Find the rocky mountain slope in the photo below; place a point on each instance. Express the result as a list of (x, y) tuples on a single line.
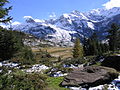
[(64, 29)]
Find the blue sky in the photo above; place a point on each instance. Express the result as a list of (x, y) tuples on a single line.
[(42, 9)]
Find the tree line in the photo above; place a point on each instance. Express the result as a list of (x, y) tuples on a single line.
[(93, 46)]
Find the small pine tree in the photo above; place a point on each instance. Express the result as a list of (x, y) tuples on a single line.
[(78, 49), (59, 59)]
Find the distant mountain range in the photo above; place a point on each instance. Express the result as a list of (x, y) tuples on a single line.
[(64, 29)]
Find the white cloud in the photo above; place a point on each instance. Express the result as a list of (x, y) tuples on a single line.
[(53, 15), (16, 23), (111, 4)]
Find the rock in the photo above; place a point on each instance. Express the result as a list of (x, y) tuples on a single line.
[(112, 61), (36, 68), (90, 76)]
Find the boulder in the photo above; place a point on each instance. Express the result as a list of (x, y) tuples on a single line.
[(112, 61), (90, 76)]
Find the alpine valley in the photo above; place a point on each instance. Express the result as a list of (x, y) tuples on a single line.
[(63, 30)]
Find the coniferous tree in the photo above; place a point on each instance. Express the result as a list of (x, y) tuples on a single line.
[(92, 46), (59, 59), (118, 39), (85, 46), (78, 49), (9, 44), (113, 36), (4, 18), (95, 44), (6, 39), (104, 47)]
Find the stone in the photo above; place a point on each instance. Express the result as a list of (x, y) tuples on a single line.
[(37, 68), (90, 76)]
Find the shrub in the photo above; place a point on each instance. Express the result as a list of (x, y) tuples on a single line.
[(24, 56), (74, 61), (22, 81)]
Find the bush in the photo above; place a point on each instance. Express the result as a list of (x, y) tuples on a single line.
[(22, 81), (46, 62), (66, 70), (24, 56), (43, 57), (74, 61)]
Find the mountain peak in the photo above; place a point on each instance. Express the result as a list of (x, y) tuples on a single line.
[(29, 19), (75, 12), (105, 12)]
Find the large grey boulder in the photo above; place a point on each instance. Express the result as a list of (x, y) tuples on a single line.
[(90, 76)]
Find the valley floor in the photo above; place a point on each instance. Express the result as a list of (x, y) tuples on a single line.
[(63, 52)]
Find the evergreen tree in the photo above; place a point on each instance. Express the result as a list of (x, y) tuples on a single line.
[(113, 36), (92, 46), (10, 43), (88, 47), (59, 59), (4, 18), (104, 47), (118, 39), (7, 42), (78, 49), (95, 44), (85, 46)]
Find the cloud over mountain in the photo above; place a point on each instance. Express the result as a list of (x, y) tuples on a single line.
[(111, 4)]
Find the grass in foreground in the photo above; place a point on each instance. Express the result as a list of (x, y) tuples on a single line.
[(53, 83)]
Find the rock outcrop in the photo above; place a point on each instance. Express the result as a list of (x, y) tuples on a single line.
[(90, 76)]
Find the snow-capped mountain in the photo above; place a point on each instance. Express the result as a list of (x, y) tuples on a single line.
[(75, 24)]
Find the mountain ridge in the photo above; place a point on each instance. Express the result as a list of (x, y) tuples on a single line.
[(64, 29)]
